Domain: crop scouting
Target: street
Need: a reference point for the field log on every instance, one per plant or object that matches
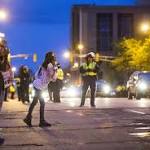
(115, 124)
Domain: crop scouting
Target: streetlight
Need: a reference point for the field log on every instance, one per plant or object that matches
(3, 15)
(66, 54)
(145, 27)
(80, 48)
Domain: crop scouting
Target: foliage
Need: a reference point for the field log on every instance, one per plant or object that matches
(132, 55)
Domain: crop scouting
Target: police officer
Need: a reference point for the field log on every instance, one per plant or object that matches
(89, 71)
(55, 87)
(24, 83)
(59, 83)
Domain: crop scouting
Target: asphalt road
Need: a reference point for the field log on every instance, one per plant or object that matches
(115, 124)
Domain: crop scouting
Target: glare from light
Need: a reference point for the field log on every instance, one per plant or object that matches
(66, 54)
(76, 65)
(80, 46)
(2, 35)
(14, 69)
(3, 15)
(142, 86)
(72, 92)
(44, 94)
(31, 86)
(106, 89)
(1, 39)
(145, 27)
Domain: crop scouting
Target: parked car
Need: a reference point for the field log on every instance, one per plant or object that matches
(138, 85)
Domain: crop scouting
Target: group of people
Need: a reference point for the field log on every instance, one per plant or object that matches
(46, 76)
(49, 75)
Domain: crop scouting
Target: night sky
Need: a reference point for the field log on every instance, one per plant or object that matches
(42, 25)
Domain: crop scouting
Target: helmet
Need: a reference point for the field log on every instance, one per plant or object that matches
(91, 54)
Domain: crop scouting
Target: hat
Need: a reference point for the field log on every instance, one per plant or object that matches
(91, 54)
(58, 65)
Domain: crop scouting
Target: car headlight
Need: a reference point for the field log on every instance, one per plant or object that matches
(72, 92)
(44, 94)
(142, 86)
(106, 89)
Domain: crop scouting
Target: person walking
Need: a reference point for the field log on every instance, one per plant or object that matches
(89, 71)
(43, 76)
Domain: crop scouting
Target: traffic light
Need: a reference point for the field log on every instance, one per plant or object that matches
(34, 57)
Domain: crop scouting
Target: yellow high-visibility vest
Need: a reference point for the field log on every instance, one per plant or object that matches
(90, 66)
(60, 74)
(12, 89)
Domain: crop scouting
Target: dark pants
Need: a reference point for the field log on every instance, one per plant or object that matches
(6, 93)
(88, 82)
(12, 95)
(25, 93)
(54, 87)
(38, 96)
(19, 93)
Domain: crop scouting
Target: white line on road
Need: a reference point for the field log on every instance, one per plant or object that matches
(134, 111)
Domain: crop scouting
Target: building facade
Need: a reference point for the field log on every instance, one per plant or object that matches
(99, 27)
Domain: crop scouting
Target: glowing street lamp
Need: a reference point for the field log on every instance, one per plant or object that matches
(3, 15)
(66, 54)
(80, 46)
(145, 27)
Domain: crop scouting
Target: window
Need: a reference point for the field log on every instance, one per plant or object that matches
(104, 32)
(125, 25)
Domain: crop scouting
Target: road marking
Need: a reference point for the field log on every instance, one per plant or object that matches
(134, 111)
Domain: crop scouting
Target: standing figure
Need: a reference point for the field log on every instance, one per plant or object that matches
(43, 76)
(6, 74)
(89, 71)
(55, 87)
(24, 83)
(12, 91)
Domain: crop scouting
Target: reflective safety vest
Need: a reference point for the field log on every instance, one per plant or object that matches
(12, 88)
(60, 74)
(90, 66)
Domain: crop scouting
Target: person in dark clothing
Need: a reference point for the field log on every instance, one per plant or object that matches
(18, 88)
(89, 71)
(1, 99)
(6, 75)
(24, 83)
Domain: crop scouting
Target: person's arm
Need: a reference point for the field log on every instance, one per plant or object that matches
(52, 71)
(82, 70)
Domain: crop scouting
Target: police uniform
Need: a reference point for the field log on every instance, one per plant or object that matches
(89, 71)
(57, 85)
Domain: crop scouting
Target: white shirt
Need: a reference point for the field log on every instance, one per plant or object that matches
(44, 77)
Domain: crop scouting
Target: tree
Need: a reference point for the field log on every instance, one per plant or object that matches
(132, 55)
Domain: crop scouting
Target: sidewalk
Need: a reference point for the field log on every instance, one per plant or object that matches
(72, 129)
